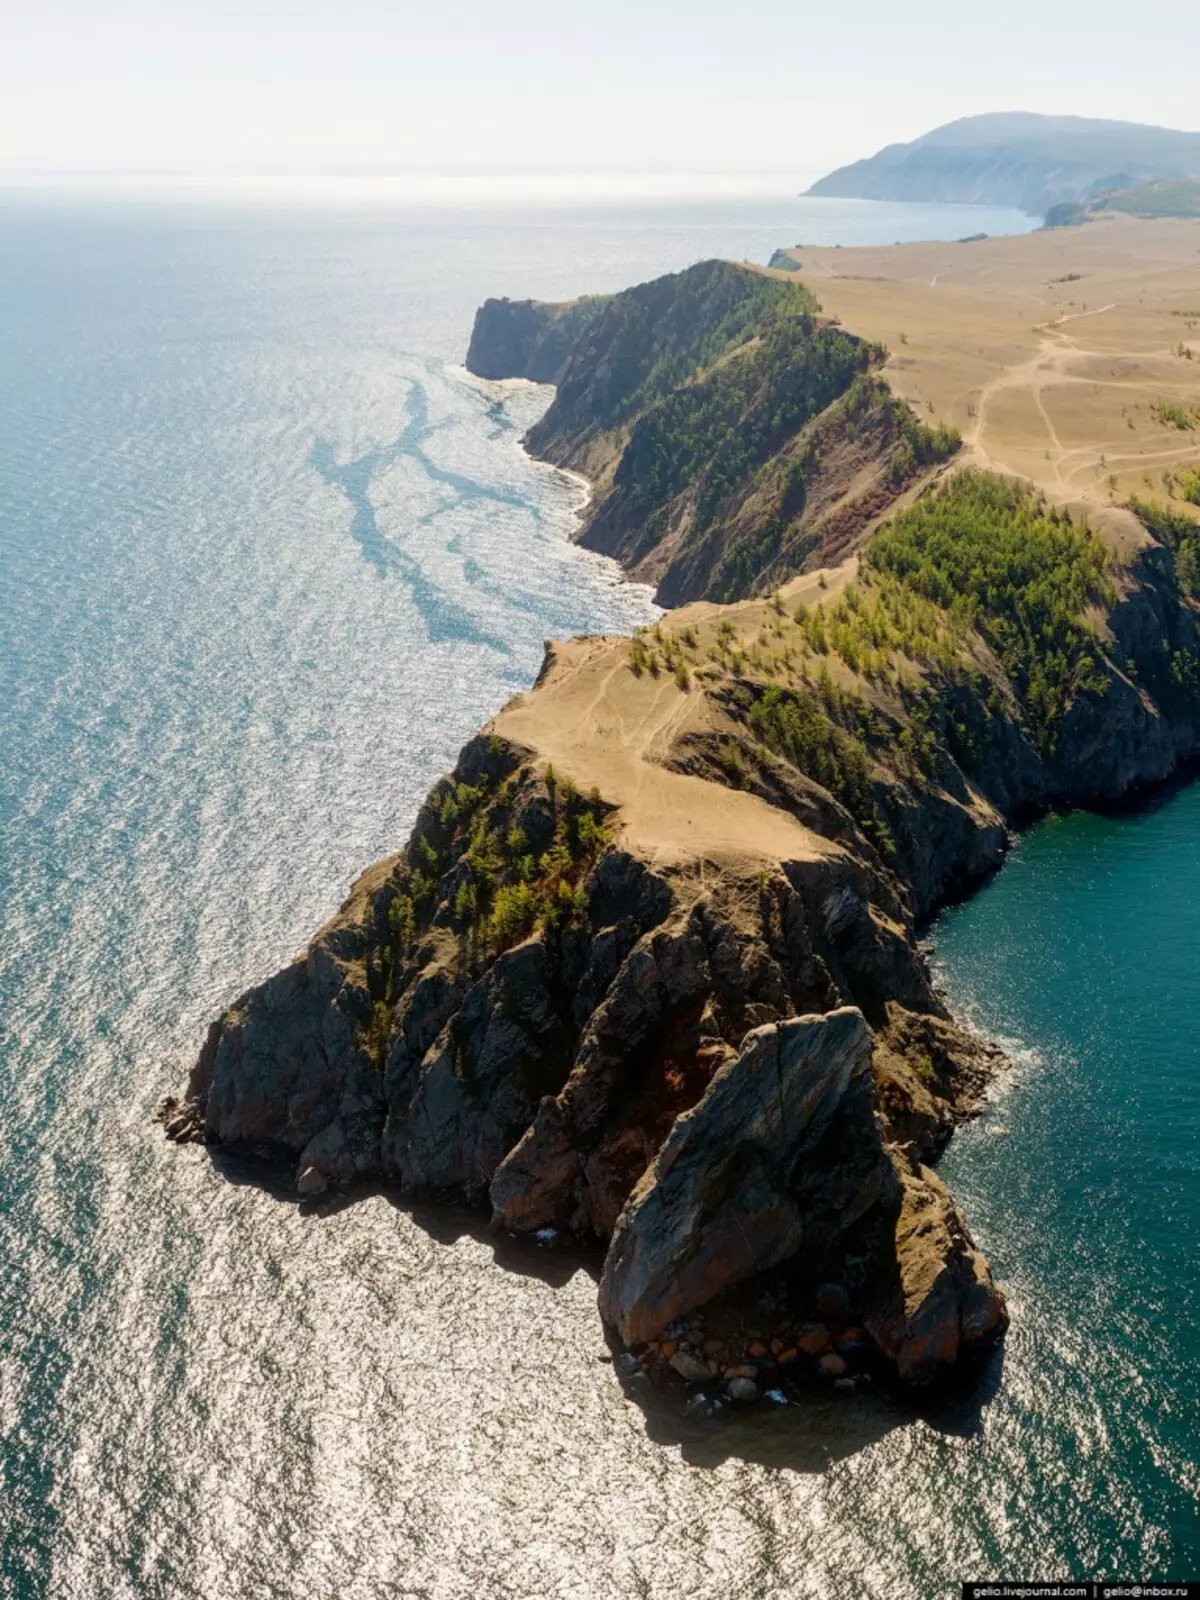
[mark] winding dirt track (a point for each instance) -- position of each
(1048, 366)
(1068, 396)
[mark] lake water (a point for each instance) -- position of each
(1083, 1180)
(267, 557)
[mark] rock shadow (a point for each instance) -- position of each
(818, 1426)
(554, 1264)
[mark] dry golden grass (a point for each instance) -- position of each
(593, 719)
(1048, 351)
(590, 717)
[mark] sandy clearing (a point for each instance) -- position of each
(593, 721)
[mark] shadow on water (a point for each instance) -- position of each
(252, 1170)
(445, 1223)
(817, 1428)
(1149, 798)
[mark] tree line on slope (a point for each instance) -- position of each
(988, 549)
(643, 343)
(709, 435)
(1178, 531)
(778, 543)
(981, 558)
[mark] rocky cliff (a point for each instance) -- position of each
(646, 972)
(732, 435)
(531, 339)
(670, 1057)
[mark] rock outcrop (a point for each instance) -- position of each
(285, 1069)
(529, 338)
(680, 1069)
(780, 1157)
(937, 1305)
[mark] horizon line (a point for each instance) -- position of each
(418, 170)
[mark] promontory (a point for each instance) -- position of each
(646, 974)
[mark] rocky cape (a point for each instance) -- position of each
(647, 974)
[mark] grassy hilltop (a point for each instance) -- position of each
(1068, 357)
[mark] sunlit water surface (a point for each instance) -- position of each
(268, 556)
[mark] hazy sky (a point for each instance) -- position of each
(242, 85)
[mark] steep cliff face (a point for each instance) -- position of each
(733, 437)
(529, 338)
(661, 1017)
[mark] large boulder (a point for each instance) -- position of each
(780, 1156)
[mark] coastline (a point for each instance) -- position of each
(579, 481)
(378, 1389)
(623, 877)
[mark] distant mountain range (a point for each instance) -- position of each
(1019, 159)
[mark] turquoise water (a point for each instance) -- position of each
(1084, 1177)
(267, 556)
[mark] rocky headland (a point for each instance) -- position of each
(646, 973)
(733, 435)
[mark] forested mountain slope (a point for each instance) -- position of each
(1018, 159)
